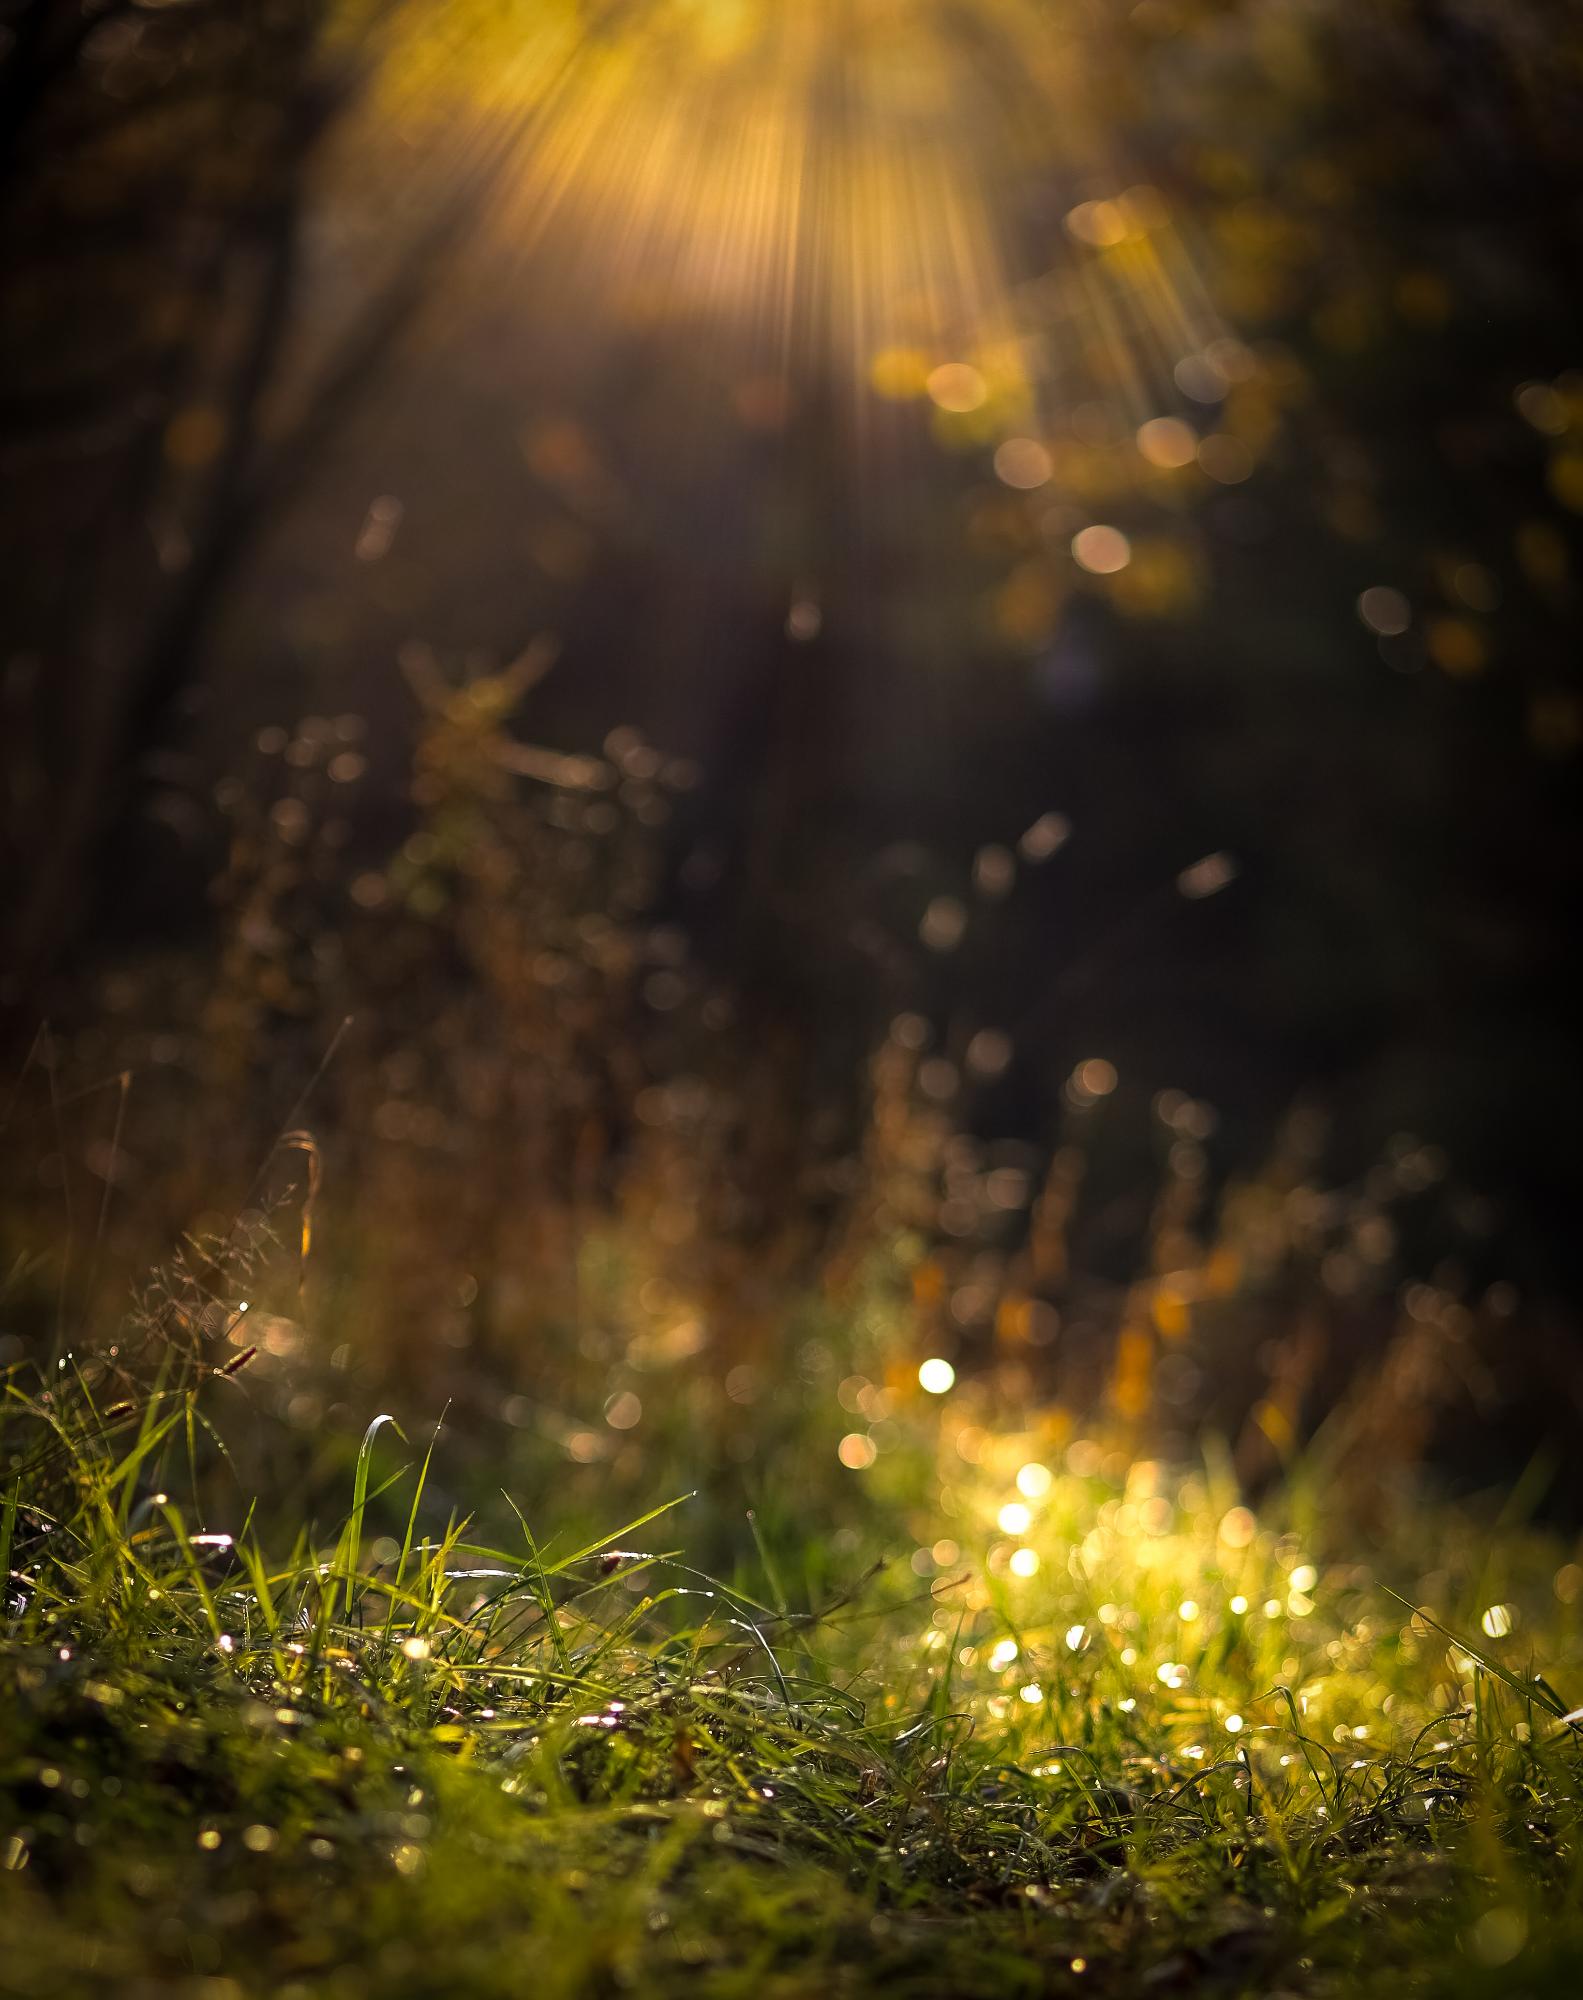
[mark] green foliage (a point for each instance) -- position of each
(427, 1766)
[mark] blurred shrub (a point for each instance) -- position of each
(466, 1122)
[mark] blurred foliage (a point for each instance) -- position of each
(1099, 560)
(488, 1131)
(1003, 1006)
(967, 1703)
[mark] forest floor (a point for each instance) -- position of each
(1111, 1733)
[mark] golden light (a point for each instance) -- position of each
(1023, 463)
(957, 387)
(1101, 550)
(831, 185)
(899, 373)
(821, 177)
(1167, 442)
(1238, 1527)
(1095, 1078)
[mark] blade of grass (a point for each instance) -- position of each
(1531, 1690)
(354, 1526)
(8, 1535)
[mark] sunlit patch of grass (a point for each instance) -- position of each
(1189, 1745)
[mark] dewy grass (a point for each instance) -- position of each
(1109, 1733)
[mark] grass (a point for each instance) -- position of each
(1030, 1720)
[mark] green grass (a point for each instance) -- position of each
(1146, 1741)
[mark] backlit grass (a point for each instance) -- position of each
(1030, 1719)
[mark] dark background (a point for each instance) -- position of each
(1389, 198)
